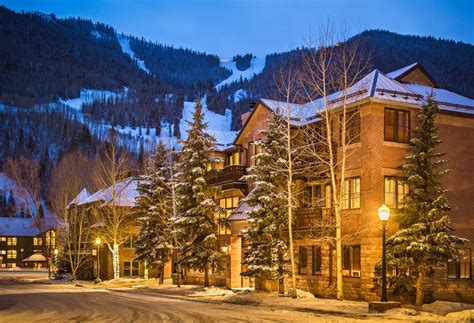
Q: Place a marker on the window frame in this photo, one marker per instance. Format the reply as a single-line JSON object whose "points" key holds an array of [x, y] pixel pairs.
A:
{"points": [[228, 211], [350, 270], [316, 266], [12, 241], [350, 195], [302, 270], [396, 195], [458, 263], [396, 126]]}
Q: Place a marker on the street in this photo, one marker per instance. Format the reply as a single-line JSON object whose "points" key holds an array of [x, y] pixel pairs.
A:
{"points": [[22, 301]]}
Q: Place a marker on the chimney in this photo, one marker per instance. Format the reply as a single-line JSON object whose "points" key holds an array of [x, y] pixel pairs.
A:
{"points": [[252, 105]]}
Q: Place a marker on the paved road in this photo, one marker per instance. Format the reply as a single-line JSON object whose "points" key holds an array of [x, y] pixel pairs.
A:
{"points": [[27, 301]]}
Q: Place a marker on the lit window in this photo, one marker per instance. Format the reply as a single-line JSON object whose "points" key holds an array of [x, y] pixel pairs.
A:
{"points": [[351, 261], [395, 191], [3, 239], [303, 260], [233, 158], [461, 269], [11, 241], [51, 238], [352, 193], [228, 204], [316, 260], [3, 252], [11, 254], [37, 241], [397, 125]]}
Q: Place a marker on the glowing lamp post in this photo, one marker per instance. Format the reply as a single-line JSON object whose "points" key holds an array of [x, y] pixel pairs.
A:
{"points": [[97, 242], [384, 214]]}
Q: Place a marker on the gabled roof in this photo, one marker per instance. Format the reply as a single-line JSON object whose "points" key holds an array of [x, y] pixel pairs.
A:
{"points": [[401, 71], [399, 74], [80, 198], [124, 194], [379, 86]]}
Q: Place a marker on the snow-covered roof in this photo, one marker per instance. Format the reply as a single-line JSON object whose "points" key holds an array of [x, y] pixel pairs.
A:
{"points": [[401, 71], [300, 114], [124, 194], [26, 227], [224, 139], [80, 198], [380, 86], [241, 211]]}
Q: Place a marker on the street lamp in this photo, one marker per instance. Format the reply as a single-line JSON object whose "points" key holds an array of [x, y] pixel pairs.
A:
{"points": [[97, 242], [384, 214]]}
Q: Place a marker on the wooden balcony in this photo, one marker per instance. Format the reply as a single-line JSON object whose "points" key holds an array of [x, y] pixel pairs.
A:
{"points": [[308, 217], [313, 222], [228, 177]]}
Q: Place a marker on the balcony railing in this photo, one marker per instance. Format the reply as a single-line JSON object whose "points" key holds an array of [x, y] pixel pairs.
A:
{"points": [[307, 218], [314, 222], [227, 174]]}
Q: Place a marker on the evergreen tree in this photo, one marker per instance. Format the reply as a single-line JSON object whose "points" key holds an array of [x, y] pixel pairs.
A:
{"points": [[11, 205], [3, 203], [195, 199], [423, 240], [268, 252], [154, 208]]}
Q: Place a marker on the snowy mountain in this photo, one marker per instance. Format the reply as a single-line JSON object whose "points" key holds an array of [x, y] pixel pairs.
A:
{"points": [[256, 67]]}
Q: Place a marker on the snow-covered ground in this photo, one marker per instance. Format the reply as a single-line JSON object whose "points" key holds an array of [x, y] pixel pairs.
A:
{"points": [[239, 95], [219, 125], [125, 44], [89, 96], [256, 66]]}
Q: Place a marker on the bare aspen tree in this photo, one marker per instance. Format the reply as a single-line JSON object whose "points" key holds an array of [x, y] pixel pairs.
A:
{"points": [[287, 84], [68, 179], [114, 217], [331, 69]]}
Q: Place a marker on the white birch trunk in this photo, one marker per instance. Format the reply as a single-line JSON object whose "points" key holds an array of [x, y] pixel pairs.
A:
{"points": [[145, 271], [115, 260]]}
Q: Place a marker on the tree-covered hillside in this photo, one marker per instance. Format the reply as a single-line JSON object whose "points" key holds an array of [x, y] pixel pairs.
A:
{"points": [[44, 58]]}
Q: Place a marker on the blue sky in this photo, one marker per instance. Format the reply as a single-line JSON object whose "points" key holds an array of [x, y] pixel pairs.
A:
{"points": [[227, 27]]}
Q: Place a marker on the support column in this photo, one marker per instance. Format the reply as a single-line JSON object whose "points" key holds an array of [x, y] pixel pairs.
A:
{"points": [[235, 269]]}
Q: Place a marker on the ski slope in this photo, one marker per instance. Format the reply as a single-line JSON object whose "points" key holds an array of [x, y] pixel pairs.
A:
{"points": [[125, 44], [89, 96], [256, 66]]}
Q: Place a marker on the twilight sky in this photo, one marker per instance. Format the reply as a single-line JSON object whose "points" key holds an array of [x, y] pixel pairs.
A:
{"points": [[227, 27]]}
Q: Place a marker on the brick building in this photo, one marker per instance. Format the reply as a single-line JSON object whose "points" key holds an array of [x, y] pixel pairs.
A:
{"points": [[384, 108]]}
